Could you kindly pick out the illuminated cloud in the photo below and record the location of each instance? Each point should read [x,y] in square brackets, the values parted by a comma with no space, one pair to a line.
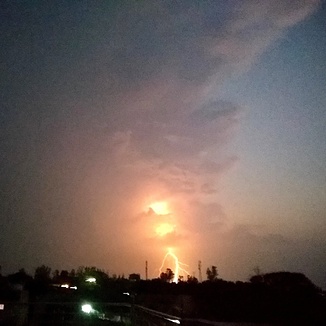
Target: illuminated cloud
[122,104]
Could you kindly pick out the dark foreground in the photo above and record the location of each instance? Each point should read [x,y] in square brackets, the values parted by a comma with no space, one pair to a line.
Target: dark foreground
[104,314]
[271,299]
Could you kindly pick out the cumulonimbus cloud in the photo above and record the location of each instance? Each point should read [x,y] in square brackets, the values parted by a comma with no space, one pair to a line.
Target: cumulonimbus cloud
[133,110]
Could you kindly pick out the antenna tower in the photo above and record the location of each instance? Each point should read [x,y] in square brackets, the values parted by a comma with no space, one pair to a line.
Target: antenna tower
[199,271]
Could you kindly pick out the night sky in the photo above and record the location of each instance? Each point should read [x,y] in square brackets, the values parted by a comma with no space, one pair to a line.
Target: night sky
[130,128]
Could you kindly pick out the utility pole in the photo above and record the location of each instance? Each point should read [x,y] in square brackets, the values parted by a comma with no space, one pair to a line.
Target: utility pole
[146,270]
[199,271]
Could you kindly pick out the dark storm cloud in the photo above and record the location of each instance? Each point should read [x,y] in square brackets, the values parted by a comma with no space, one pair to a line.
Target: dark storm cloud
[104,100]
[250,246]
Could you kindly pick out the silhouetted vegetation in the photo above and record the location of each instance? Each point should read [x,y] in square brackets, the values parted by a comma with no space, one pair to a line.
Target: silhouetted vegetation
[280,298]
[134,277]
[167,276]
[212,274]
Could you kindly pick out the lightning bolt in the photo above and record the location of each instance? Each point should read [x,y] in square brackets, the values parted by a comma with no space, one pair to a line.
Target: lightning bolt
[177,264]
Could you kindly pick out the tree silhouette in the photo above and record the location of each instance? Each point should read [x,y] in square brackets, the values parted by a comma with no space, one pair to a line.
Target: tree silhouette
[212,274]
[42,274]
[134,277]
[72,273]
[21,277]
[192,279]
[55,275]
[42,279]
[167,276]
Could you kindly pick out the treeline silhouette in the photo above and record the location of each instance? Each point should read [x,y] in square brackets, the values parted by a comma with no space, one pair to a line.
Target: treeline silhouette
[283,298]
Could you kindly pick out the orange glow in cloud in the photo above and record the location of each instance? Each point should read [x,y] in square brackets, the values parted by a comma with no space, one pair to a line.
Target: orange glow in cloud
[164,229]
[160,208]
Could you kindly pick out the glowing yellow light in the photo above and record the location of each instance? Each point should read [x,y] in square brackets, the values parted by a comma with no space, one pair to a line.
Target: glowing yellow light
[163,229]
[175,321]
[177,265]
[160,208]
[87,308]
[65,286]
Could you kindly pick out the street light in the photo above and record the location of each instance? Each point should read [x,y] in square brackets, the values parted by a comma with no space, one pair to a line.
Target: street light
[87,308]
